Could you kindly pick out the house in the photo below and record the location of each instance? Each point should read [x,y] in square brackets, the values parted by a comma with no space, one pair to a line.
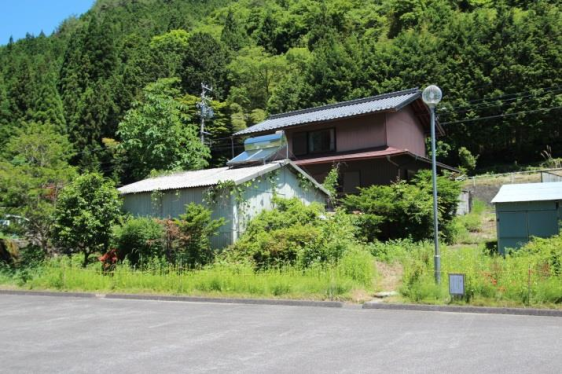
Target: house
[237,192]
[375,140]
[526,210]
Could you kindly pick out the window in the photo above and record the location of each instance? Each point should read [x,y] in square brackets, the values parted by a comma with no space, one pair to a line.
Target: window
[321,141]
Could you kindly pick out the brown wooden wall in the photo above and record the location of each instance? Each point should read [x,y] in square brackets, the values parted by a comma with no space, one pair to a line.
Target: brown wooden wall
[404,131]
[351,133]
[371,172]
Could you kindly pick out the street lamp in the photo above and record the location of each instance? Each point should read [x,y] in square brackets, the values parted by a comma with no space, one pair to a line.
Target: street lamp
[431,96]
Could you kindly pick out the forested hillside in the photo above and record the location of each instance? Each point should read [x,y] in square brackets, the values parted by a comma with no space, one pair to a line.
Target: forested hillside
[121,82]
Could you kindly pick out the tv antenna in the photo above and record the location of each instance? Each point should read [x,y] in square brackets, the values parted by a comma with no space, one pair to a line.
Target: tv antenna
[205,109]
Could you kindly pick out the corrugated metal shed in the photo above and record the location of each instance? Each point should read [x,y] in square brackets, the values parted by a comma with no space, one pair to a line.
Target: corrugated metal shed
[390,101]
[209,177]
[181,189]
[527,210]
[529,192]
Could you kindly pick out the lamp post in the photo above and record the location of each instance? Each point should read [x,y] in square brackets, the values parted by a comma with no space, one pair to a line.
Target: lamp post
[431,96]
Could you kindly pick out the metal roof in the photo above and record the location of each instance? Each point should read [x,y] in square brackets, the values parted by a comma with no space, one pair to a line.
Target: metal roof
[389,101]
[378,153]
[209,177]
[511,193]
[368,155]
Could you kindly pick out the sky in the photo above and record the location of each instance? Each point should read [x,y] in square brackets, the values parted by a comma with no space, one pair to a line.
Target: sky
[18,17]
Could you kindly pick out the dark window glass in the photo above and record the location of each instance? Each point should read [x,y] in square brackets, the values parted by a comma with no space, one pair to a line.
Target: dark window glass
[299,143]
[321,141]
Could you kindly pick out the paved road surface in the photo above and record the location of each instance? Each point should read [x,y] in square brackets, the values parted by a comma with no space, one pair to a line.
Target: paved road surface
[71,335]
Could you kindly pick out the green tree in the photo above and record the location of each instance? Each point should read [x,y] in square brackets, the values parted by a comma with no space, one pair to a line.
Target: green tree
[232,34]
[158,134]
[205,61]
[86,211]
[467,159]
[48,107]
[6,119]
[167,52]
[255,74]
[33,171]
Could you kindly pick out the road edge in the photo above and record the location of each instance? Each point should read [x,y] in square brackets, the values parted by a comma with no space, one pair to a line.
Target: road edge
[305,303]
[465,309]
[121,296]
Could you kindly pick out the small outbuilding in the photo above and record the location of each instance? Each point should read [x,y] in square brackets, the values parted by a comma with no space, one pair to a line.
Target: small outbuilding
[527,210]
[236,194]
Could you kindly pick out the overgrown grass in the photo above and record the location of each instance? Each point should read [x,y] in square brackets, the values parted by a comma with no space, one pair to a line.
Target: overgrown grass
[530,276]
[329,282]
[464,228]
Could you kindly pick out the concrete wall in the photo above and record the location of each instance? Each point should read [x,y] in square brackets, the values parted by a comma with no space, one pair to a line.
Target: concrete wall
[404,131]
[548,177]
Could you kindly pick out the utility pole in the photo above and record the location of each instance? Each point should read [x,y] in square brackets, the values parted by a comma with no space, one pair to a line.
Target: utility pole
[205,109]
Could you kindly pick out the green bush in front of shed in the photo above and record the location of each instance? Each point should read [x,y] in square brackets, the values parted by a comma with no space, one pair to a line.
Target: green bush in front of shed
[195,229]
[139,240]
[295,234]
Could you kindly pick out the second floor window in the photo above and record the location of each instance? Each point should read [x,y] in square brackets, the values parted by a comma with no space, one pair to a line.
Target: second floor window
[321,141]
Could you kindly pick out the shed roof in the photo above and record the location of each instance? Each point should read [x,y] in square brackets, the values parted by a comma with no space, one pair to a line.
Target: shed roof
[511,193]
[210,177]
[379,103]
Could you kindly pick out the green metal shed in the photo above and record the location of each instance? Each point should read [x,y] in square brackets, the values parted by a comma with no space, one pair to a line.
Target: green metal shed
[526,210]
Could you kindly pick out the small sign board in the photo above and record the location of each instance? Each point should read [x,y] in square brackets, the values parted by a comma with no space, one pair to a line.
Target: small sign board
[456,284]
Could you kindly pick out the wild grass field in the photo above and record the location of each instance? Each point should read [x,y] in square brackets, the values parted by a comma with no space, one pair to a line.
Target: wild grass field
[351,279]
[531,276]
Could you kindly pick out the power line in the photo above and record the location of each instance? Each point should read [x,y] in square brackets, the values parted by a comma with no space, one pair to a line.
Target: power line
[447,111]
[510,94]
[501,115]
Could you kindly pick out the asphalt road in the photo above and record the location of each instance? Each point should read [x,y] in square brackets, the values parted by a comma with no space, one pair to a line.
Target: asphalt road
[71,335]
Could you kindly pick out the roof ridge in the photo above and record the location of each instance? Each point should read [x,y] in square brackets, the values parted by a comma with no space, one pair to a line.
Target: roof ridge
[344,103]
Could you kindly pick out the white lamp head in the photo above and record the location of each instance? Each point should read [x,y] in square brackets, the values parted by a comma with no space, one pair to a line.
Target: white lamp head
[431,96]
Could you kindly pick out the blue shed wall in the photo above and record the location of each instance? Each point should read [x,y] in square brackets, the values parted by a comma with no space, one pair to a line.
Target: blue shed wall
[517,222]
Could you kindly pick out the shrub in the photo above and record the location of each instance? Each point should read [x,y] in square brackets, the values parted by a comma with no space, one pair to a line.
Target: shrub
[139,240]
[404,210]
[195,229]
[294,233]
